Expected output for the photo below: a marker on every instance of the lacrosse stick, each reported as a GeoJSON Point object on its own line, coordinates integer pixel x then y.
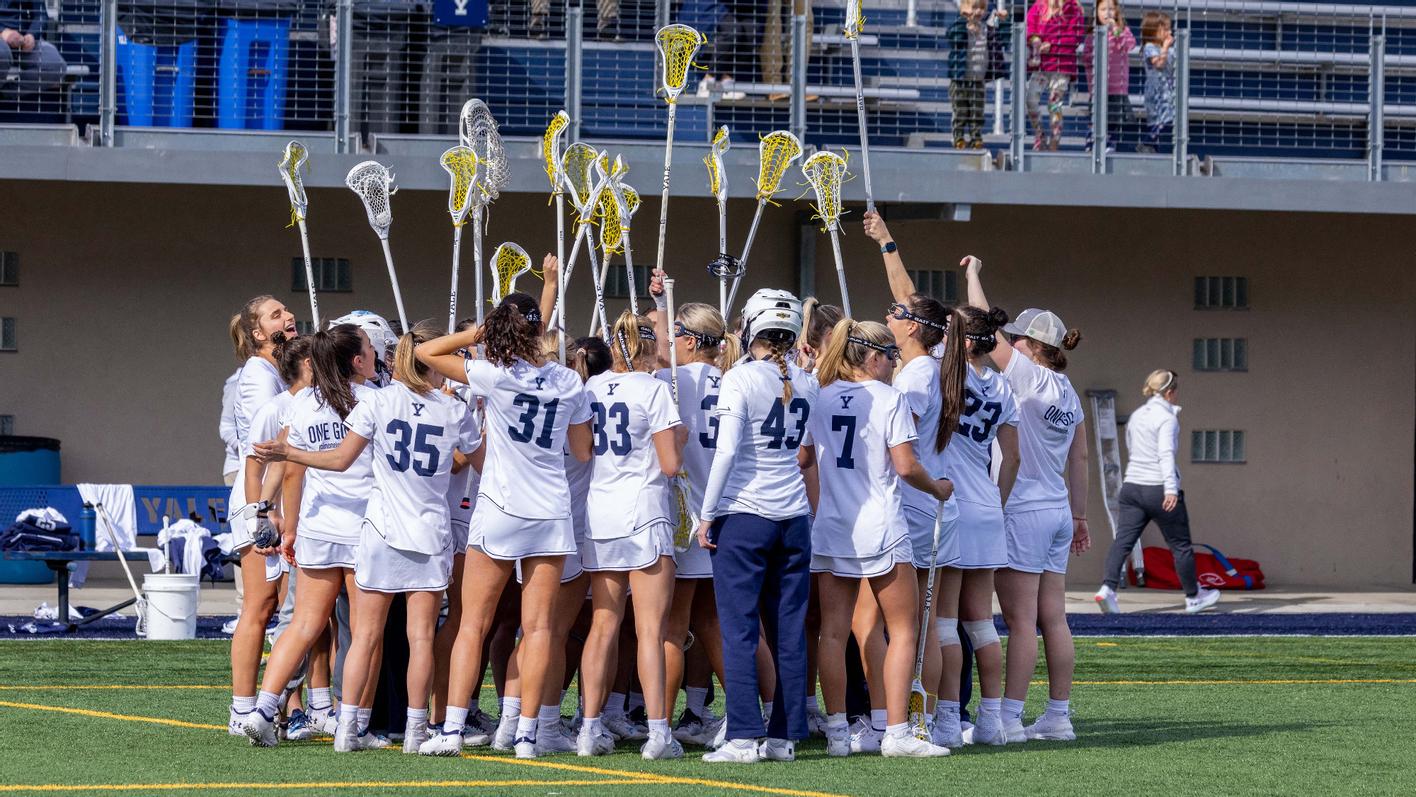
{"type": "Point", "coordinates": [166, 546]}
{"type": "Point", "coordinates": [612, 176]}
{"type": "Point", "coordinates": [575, 172]}
{"type": "Point", "coordinates": [677, 45]}
{"type": "Point", "coordinates": [460, 163]}
{"type": "Point", "coordinates": [139, 602]}
{"type": "Point", "coordinates": [854, 24]}
{"type": "Point", "coordinates": [374, 185]}
{"type": "Point", "coordinates": [725, 264]}
{"type": "Point", "coordinates": [824, 171]}
{"type": "Point", "coordinates": [298, 158]}
{"type": "Point", "coordinates": [478, 131]}
{"type": "Point", "coordinates": [509, 261]}
{"type": "Point", "coordinates": [686, 520]}
{"type": "Point", "coordinates": [775, 152]}
{"type": "Point", "coordinates": [551, 153]}
{"type": "Point", "coordinates": [627, 211]}
{"type": "Point", "coordinates": [917, 694]}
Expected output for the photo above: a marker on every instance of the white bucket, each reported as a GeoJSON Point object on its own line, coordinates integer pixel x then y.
{"type": "Point", "coordinates": [171, 605]}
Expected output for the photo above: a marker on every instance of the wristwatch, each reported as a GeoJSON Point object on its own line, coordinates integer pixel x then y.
{"type": "Point", "coordinates": [888, 248]}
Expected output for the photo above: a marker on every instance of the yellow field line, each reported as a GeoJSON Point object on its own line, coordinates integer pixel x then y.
{"type": "Point", "coordinates": [652, 777]}
{"type": "Point", "coordinates": [38, 687]}
{"type": "Point", "coordinates": [370, 784]}
{"type": "Point", "coordinates": [83, 712]}
{"type": "Point", "coordinates": [1247, 682]}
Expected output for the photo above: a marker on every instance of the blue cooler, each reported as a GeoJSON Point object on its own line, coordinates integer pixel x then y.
{"type": "Point", "coordinates": [25, 461]}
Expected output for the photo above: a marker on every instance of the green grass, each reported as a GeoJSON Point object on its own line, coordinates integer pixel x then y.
{"type": "Point", "coordinates": [1246, 732]}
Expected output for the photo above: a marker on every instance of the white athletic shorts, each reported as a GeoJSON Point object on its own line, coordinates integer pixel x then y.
{"type": "Point", "coordinates": [921, 526]}
{"type": "Point", "coordinates": [1039, 539]}
{"type": "Point", "coordinates": [866, 566]}
{"type": "Point", "coordinates": [312, 554]}
{"type": "Point", "coordinates": [982, 543]}
{"type": "Point", "coordinates": [460, 533]}
{"type": "Point", "coordinates": [696, 562]}
{"type": "Point", "coordinates": [635, 552]}
{"type": "Point", "coordinates": [508, 537]}
{"type": "Point", "coordinates": [382, 568]}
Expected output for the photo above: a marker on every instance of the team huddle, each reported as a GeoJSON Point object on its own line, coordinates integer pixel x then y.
{"type": "Point", "coordinates": [680, 499]}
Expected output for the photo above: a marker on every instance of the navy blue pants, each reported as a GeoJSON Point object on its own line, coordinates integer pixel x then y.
{"type": "Point", "coordinates": [762, 575]}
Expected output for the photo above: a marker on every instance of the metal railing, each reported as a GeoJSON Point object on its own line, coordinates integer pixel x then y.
{"type": "Point", "coordinates": [1234, 77]}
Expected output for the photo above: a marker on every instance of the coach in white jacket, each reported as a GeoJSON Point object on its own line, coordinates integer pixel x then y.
{"type": "Point", "coordinates": [1151, 492]}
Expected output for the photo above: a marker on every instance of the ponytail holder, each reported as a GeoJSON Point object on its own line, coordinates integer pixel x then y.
{"type": "Point", "coordinates": [624, 349]}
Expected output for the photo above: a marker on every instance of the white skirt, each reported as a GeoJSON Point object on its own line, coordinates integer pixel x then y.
{"type": "Point", "coordinates": [866, 566]}
{"type": "Point", "coordinates": [637, 551]}
{"type": "Point", "coordinates": [460, 533]}
{"type": "Point", "coordinates": [696, 562]}
{"type": "Point", "coordinates": [921, 526]}
{"type": "Point", "coordinates": [508, 537]}
{"type": "Point", "coordinates": [313, 554]}
{"type": "Point", "coordinates": [982, 542]}
{"type": "Point", "coordinates": [1039, 539]}
{"type": "Point", "coordinates": [379, 567]}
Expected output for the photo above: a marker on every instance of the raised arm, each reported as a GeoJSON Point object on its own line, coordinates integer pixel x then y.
{"type": "Point", "coordinates": [660, 317]}
{"type": "Point", "coordinates": [441, 355]}
{"type": "Point", "coordinates": [901, 286]}
{"type": "Point", "coordinates": [1077, 489]}
{"type": "Point", "coordinates": [550, 266]}
{"type": "Point", "coordinates": [1002, 352]}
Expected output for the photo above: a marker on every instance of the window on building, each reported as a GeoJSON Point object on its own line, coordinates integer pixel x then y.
{"type": "Point", "coordinates": [942, 285]}
{"type": "Point", "coordinates": [1221, 354]}
{"type": "Point", "coordinates": [7, 425]}
{"type": "Point", "coordinates": [9, 268]}
{"type": "Point", "coordinates": [1217, 446]}
{"type": "Point", "coordinates": [305, 327]}
{"type": "Point", "coordinates": [616, 282]}
{"type": "Point", "coordinates": [7, 335]}
{"type": "Point", "coordinates": [1221, 293]}
{"type": "Point", "coordinates": [331, 275]}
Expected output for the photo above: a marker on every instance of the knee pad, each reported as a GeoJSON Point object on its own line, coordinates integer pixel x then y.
{"type": "Point", "coordinates": [947, 629]}
{"type": "Point", "coordinates": [981, 633]}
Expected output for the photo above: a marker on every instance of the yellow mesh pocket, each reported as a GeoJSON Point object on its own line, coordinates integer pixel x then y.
{"type": "Point", "coordinates": [686, 520]}
{"type": "Point", "coordinates": [460, 163]}
{"type": "Point", "coordinates": [677, 45]}
{"type": "Point", "coordinates": [717, 178]}
{"type": "Point", "coordinates": [855, 19]}
{"type": "Point", "coordinates": [509, 261]}
{"type": "Point", "coordinates": [775, 152]}
{"type": "Point", "coordinates": [551, 148]}
{"type": "Point", "coordinates": [824, 171]}
{"type": "Point", "coordinates": [295, 160]}
{"type": "Point", "coordinates": [577, 165]}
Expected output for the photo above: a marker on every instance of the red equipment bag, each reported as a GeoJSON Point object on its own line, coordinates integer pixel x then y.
{"type": "Point", "coordinates": [1213, 570]}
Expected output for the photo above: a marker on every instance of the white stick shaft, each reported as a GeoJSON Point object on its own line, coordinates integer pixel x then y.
{"type": "Point", "coordinates": [599, 275]}
{"type": "Point", "coordinates": [561, 269]}
{"type": "Point", "coordinates": [117, 548]}
{"type": "Point", "coordinates": [928, 596]}
{"type": "Point", "coordinates": [558, 315]}
{"type": "Point", "coordinates": [628, 270]}
{"type": "Point", "coordinates": [477, 263]}
{"type": "Point", "coordinates": [309, 274]}
{"type": "Point", "coordinates": [723, 227]}
{"type": "Point", "coordinates": [393, 280]}
{"type": "Point", "coordinates": [742, 261]}
{"type": "Point", "coordinates": [840, 271]}
{"type": "Point", "coordinates": [452, 294]}
{"type": "Point", "coordinates": [673, 350]}
{"type": "Point", "coordinates": [860, 121]}
{"type": "Point", "coordinates": [664, 199]}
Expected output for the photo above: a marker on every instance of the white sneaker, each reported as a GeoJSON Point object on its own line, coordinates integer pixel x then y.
{"type": "Point", "coordinates": [776, 750]}
{"type": "Point", "coordinates": [1053, 727]}
{"type": "Point", "coordinates": [623, 728]}
{"type": "Point", "coordinates": [661, 748]}
{"type": "Point", "coordinates": [907, 745]}
{"type": "Point", "coordinates": [324, 720]}
{"type": "Point", "coordinates": [1013, 731]}
{"type": "Point", "coordinates": [592, 744]}
{"type": "Point", "coordinates": [864, 738]}
{"type": "Point", "coordinates": [838, 741]}
{"type": "Point", "coordinates": [415, 733]}
{"type": "Point", "coordinates": [815, 723]}
{"type": "Point", "coordinates": [346, 738]}
{"type": "Point", "coordinates": [719, 730]}
{"type": "Point", "coordinates": [989, 730]}
{"type": "Point", "coordinates": [947, 732]}
{"type": "Point", "coordinates": [234, 721]}
{"type": "Point", "coordinates": [441, 744]}
{"type": "Point", "coordinates": [737, 751]}
{"type": "Point", "coordinates": [553, 740]}
{"type": "Point", "coordinates": [259, 728]}
{"type": "Point", "coordinates": [1204, 600]}
{"type": "Point", "coordinates": [478, 730]}
{"type": "Point", "coordinates": [505, 735]}
{"type": "Point", "coordinates": [372, 741]}
{"type": "Point", "coordinates": [689, 729]}
{"type": "Point", "coordinates": [1106, 600]}
{"type": "Point", "coordinates": [525, 747]}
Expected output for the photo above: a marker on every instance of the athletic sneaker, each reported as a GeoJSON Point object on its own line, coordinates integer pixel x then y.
{"type": "Point", "coordinates": [300, 727]}
{"type": "Point", "coordinates": [907, 745]}
{"type": "Point", "coordinates": [260, 729]}
{"type": "Point", "coordinates": [505, 735]}
{"type": "Point", "coordinates": [661, 748]}
{"type": "Point", "coordinates": [1013, 730]}
{"type": "Point", "coordinates": [525, 747]}
{"type": "Point", "coordinates": [989, 730]}
{"type": "Point", "coordinates": [368, 740]}
{"type": "Point", "coordinates": [415, 732]}
{"type": "Point", "coordinates": [324, 720]}
{"type": "Point", "coordinates": [864, 738]}
{"type": "Point", "coordinates": [593, 744]}
{"type": "Point", "coordinates": [479, 729]}
{"type": "Point", "coordinates": [442, 744]}
{"type": "Point", "coordinates": [346, 738]}
{"type": "Point", "coordinates": [838, 740]}
{"type": "Point", "coordinates": [776, 750]}
{"type": "Point", "coordinates": [689, 729]}
{"type": "Point", "coordinates": [1053, 727]}
{"type": "Point", "coordinates": [719, 730]}
{"type": "Point", "coordinates": [234, 722]}
{"type": "Point", "coordinates": [947, 731]}
{"type": "Point", "coordinates": [554, 740]}
{"type": "Point", "coordinates": [622, 728]}
{"type": "Point", "coordinates": [815, 723]}
{"type": "Point", "coordinates": [1204, 600]}
{"type": "Point", "coordinates": [1106, 600]}
{"type": "Point", "coordinates": [737, 751]}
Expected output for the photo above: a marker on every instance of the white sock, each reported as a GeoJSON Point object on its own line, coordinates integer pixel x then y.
{"type": "Point", "coordinates": [591, 726]}
{"type": "Point", "coordinates": [614, 706]}
{"type": "Point", "coordinates": [837, 720]}
{"type": "Point", "coordinates": [659, 728]}
{"type": "Point", "coordinates": [268, 703]}
{"type": "Point", "coordinates": [813, 706]}
{"type": "Point", "coordinates": [697, 697]}
{"type": "Point", "coordinates": [636, 700]}
{"type": "Point", "coordinates": [320, 698]}
{"type": "Point", "coordinates": [417, 716]}
{"type": "Point", "coordinates": [243, 705]}
{"type": "Point", "coordinates": [1058, 706]}
{"type": "Point", "coordinates": [990, 705]}
{"type": "Point", "coordinates": [877, 718]}
{"type": "Point", "coordinates": [896, 731]}
{"type": "Point", "coordinates": [945, 707]}
{"type": "Point", "coordinates": [549, 717]}
{"type": "Point", "coordinates": [1012, 709]}
{"type": "Point", "coordinates": [455, 721]}
{"type": "Point", "coordinates": [364, 715]}
{"type": "Point", "coordinates": [349, 715]}
{"type": "Point", "coordinates": [526, 728]}
{"type": "Point", "coordinates": [510, 707]}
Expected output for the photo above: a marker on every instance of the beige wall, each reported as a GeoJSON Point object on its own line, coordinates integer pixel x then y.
{"type": "Point", "coordinates": [122, 329]}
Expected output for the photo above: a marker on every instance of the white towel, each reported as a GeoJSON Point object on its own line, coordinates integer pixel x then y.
{"type": "Point", "coordinates": [193, 537]}
{"type": "Point", "coordinates": [122, 511]}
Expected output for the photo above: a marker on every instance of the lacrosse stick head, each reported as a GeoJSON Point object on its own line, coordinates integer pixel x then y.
{"type": "Point", "coordinates": [824, 171]}
{"type": "Point", "coordinates": [478, 131]}
{"type": "Point", "coordinates": [577, 167]}
{"type": "Point", "coordinates": [855, 19]}
{"type": "Point", "coordinates": [551, 149]}
{"type": "Point", "coordinates": [461, 166]}
{"type": "Point", "coordinates": [677, 45]}
{"type": "Point", "coordinates": [295, 160]}
{"type": "Point", "coordinates": [717, 178]}
{"type": "Point", "coordinates": [686, 520]}
{"type": "Point", "coordinates": [509, 261]}
{"type": "Point", "coordinates": [631, 201]}
{"type": "Point", "coordinates": [611, 211]}
{"type": "Point", "coordinates": [374, 185]}
{"type": "Point", "coordinates": [775, 152]}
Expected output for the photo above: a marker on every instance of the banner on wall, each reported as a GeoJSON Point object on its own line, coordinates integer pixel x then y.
{"type": "Point", "coordinates": [460, 13]}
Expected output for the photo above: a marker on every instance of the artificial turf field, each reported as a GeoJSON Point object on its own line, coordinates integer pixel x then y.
{"type": "Point", "coordinates": [1161, 715]}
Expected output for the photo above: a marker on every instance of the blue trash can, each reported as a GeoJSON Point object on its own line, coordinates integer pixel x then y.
{"type": "Point", "coordinates": [24, 461]}
{"type": "Point", "coordinates": [157, 83]}
{"type": "Point", "coordinates": [251, 75]}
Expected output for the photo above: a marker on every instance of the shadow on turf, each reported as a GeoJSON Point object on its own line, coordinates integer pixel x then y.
{"type": "Point", "coordinates": [1101, 733]}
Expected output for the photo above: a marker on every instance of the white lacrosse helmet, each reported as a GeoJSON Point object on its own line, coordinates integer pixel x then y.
{"type": "Point", "coordinates": [770, 310]}
{"type": "Point", "coordinates": [380, 332]}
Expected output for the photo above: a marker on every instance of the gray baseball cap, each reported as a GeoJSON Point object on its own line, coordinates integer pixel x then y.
{"type": "Point", "coordinates": [1042, 326]}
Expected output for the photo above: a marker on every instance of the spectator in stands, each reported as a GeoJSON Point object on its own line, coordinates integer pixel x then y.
{"type": "Point", "coordinates": [777, 38]}
{"type": "Point", "coordinates": [1055, 30]}
{"type": "Point", "coordinates": [1160, 80]}
{"type": "Point", "coordinates": [1120, 120]}
{"type": "Point", "coordinates": [607, 26]}
{"type": "Point", "coordinates": [32, 63]}
{"type": "Point", "coordinates": [734, 30]}
{"type": "Point", "coordinates": [975, 57]}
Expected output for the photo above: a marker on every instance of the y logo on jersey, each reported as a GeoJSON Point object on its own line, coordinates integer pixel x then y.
{"type": "Point", "coordinates": [715, 380]}
{"type": "Point", "coordinates": [418, 409]}
{"type": "Point", "coordinates": [612, 387]}
{"type": "Point", "coordinates": [846, 402]}
{"type": "Point", "coordinates": [540, 382]}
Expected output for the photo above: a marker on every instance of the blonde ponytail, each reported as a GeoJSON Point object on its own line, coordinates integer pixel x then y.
{"type": "Point", "coordinates": [416, 376]}
{"type": "Point", "coordinates": [1160, 382]}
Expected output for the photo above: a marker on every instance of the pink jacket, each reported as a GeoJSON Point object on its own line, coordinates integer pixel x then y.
{"type": "Point", "coordinates": [1118, 62]}
{"type": "Point", "coordinates": [1063, 32]}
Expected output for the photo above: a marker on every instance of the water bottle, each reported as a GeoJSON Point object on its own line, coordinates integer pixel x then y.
{"type": "Point", "coordinates": [88, 526]}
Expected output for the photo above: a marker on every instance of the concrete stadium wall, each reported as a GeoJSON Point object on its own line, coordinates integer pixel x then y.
{"type": "Point", "coordinates": [121, 320]}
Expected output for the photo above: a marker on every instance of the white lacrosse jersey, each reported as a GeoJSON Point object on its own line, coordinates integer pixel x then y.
{"type": "Point", "coordinates": [332, 504]}
{"type": "Point", "coordinates": [918, 381]}
{"type": "Point", "coordinates": [267, 422]}
{"type": "Point", "coordinates": [628, 491]}
{"type": "Point", "coordinates": [698, 385]}
{"type": "Point", "coordinates": [577, 476]}
{"type": "Point", "coordinates": [528, 411]}
{"type": "Point", "coordinates": [259, 382]}
{"type": "Point", "coordinates": [462, 492]}
{"type": "Point", "coordinates": [988, 404]}
{"type": "Point", "coordinates": [1048, 414]}
{"type": "Point", "coordinates": [412, 437]}
{"type": "Point", "coordinates": [765, 479]}
{"type": "Point", "coordinates": [861, 511]}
